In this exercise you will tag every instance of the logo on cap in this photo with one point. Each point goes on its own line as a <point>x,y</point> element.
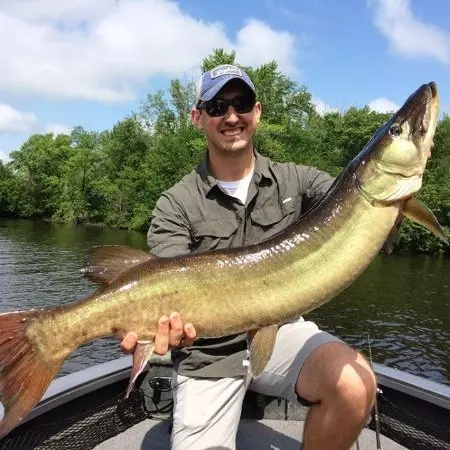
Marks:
<point>225,70</point>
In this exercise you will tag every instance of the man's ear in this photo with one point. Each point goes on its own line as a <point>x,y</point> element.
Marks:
<point>195,118</point>
<point>257,111</point>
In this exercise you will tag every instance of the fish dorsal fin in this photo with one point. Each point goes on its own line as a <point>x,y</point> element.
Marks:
<point>103,264</point>
<point>261,343</point>
<point>416,211</point>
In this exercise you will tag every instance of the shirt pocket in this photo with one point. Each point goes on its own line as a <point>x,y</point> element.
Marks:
<point>270,220</point>
<point>213,234</point>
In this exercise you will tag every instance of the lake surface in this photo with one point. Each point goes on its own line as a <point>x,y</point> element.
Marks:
<point>401,303</point>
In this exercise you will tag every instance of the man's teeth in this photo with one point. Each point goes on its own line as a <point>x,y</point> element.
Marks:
<point>232,132</point>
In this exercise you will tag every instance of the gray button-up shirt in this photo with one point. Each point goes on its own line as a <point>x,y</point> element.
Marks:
<point>196,215</point>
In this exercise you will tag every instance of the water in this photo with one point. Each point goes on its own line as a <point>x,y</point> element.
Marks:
<point>40,266</point>
<point>401,302</point>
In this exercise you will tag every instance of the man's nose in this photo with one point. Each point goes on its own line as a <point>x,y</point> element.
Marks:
<point>231,116</point>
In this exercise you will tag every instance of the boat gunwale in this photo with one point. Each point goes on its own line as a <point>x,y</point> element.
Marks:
<point>69,387</point>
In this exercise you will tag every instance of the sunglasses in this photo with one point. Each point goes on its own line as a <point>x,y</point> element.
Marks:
<point>217,107</point>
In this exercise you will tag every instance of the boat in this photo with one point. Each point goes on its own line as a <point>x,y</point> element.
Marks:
<point>88,410</point>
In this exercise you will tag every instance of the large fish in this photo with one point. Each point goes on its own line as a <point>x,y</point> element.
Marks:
<point>237,290</point>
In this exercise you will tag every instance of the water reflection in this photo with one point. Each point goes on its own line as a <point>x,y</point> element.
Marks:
<point>402,303</point>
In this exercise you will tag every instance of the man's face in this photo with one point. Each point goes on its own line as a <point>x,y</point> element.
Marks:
<point>232,132</point>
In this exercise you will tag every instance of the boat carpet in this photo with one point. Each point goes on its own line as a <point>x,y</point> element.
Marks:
<point>252,434</point>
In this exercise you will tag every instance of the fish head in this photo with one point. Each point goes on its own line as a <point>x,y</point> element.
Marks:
<point>391,166</point>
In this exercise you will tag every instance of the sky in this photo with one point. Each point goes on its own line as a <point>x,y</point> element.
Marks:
<point>93,62</point>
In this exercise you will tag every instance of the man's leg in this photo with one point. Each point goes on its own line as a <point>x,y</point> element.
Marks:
<point>341,386</point>
<point>206,412</point>
<point>319,368</point>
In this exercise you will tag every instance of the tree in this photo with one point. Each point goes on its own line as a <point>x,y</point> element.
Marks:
<point>79,201</point>
<point>9,191</point>
<point>39,165</point>
<point>116,176</point>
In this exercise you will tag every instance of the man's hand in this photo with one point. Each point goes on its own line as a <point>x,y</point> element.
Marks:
<point>170,333</point>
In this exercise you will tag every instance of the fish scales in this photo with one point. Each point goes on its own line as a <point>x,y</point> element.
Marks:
<point>258,286</point>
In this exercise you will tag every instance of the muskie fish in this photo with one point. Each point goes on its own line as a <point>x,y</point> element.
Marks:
<point>260,285</point>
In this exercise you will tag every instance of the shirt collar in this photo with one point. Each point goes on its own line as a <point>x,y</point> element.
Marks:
<point>262,171</point>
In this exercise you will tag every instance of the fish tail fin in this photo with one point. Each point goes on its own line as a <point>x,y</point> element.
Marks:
<point>24,372</point>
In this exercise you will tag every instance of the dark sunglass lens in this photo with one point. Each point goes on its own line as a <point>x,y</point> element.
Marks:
<point>243,104</point>
<point>216,107</point>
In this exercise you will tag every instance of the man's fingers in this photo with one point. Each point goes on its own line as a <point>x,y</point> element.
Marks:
<point>171,334</point>
<point>162,336</point>
<point>128,343</point>
<point>189,335</point>
<point>176,330</point>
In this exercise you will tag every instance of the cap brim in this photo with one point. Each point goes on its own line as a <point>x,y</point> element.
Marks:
<point>208,95</point>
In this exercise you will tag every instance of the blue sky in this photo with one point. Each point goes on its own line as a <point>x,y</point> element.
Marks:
<point>90,63</point>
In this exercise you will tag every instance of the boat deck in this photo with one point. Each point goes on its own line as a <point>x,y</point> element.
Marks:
<point>85,409</point>
<point>252,434</point>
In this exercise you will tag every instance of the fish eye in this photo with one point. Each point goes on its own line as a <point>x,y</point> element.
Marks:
<point>395,130</point>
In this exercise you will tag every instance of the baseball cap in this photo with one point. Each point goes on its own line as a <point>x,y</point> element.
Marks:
<point>215,79</point>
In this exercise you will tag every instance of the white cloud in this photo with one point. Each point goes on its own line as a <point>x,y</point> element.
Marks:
<point>321,107</point>
<point>16,121</point>
<point>103,49</point>
<point>57,128</point>
<point>4,156</point>
<point>257,43</point>
<point>407,35</point>
<point>383,105</point>
<point>13,120</point>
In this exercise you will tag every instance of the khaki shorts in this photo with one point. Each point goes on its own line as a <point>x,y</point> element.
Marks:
<point>207,410</point>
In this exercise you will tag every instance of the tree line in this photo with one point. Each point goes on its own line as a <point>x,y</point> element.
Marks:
<point>115,176</point>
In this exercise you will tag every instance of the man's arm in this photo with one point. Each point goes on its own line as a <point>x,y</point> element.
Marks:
<point>313,185</point>
<point>169,232</point>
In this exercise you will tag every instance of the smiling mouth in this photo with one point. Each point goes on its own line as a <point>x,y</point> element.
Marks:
<point>233,131</point>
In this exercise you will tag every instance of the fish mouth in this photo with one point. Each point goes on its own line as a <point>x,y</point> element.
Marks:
<point>433,87</point>
<point>432,95</point>
<point>421,111</point>
<point>427,127</point>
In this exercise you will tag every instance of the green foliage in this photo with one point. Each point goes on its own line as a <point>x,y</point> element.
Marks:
<point>342,135</point>
<point>38,167</point>
<point>116,176</point>
<point>79,200</point>
<point>416,238</point>
<point>9,191</point>
<point>216,58</point>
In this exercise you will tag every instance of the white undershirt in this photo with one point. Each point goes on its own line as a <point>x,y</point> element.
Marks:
<point>238,188</point>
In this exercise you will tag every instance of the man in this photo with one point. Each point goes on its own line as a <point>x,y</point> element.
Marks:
<point>238,197</point>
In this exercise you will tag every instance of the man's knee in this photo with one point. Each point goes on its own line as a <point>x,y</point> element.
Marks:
<point>357,385</point>
<point>335,372</point>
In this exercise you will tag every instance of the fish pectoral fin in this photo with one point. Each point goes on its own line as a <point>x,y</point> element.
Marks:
<point>261,343</point>
<point>105,263</point>
<point>416,211</point>
<point>141,355</point>
<point>392,240</point>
